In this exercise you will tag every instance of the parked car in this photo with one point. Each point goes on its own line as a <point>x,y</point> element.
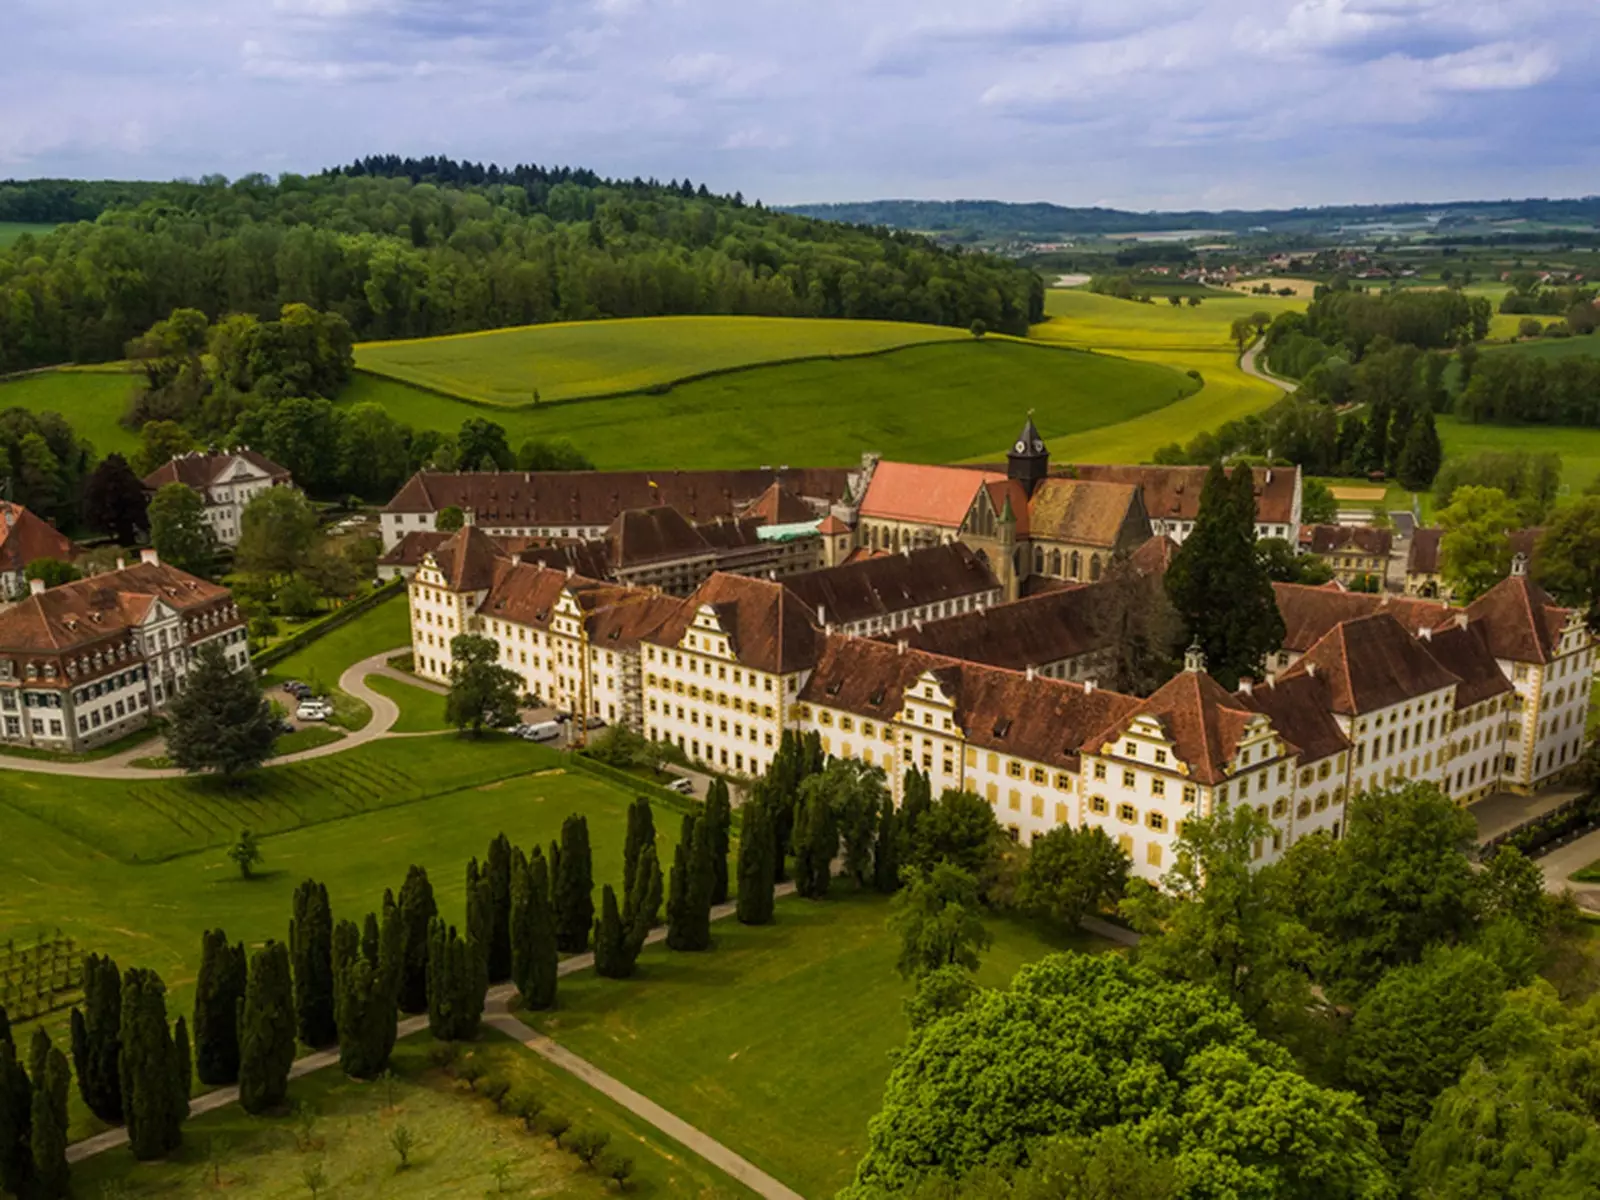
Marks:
<point>542,731</point>
<point>300,691</point>
<point>684,787</point>
<point>595,723</point>
<point>313,710</point>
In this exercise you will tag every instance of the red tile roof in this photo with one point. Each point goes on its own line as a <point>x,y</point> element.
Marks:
<point>1423,557</point>
<point>779,506</point>
<point>200,471</point>
<point>1309,613</point>
<point>929,495</point>
<point>831,525</point>
<point>661,534</point>
<point>1521,623</point>
<point>876,587</point>
<point>1371,663</point>
<point>1463,650</point>
<point>1346,539</point>
<point>1173,493</point>
<point>468,559</point>
<point>770,629</point>
<point>1085,512</point>
<point>25,537</point>
<point>1298,710</point>
<point>1203,722</point>
<point>112,603</point>
<point>1032,632</point>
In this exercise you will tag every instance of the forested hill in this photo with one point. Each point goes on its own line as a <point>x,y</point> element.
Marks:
<point>407,248</point>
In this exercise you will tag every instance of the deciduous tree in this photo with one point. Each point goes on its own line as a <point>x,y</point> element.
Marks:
<point>1072,873</point>
<point>1568,556</point>
<point>114,501</point>
<point>481,690</point>
<point>1475,551</point>
<point>178,529</point>
<point>277,532</point>
<point>936,916</point>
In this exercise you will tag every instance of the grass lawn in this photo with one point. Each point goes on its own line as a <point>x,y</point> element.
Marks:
<point>420,709</point>
<point>593,358</point>
<point>458,1137</point>
<point>93,401</point>
<point>386,627</point>
<point>777,1042</point>
<point>1184,338</point>
<point>308,738</point>
<point>10,231</point>
<point>1589,874</point>
<point>1579,448</point>
<point>940,403</point>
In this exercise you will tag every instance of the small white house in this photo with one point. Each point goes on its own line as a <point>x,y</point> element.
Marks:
<point>226,481</point>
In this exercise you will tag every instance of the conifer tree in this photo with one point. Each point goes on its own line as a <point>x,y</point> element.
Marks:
<point>219,721</point>
<point>641,833</point>
<point>155,1087</point>
<point>311,953</point>
<point>96,1038</point>
<point>886,852</point>
<point>417,911</point>
<point>916,799</point>
<point>224,970</point>
<point>756,863</point>
<point>781,787</point>
<point>183,1067</point>
<point>16,1115</point>
<point>365,995</point>
<point>611,957</point>
<point>480,912</point>
<point>497,867</point>
<point>370,930</point>
<point>457,984</point>
<point>533,932</point>
<point>266,1031</point>
<point>1421,455</point>
<point>816,843</point>
<point>689,904</point>
<point>642,909</point>
<point>573,893</point>
<point>718,817</point>
<point>48,1136</point>
<point>678,887</point>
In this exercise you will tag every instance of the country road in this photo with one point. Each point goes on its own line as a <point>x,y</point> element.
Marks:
<point>1247,364</point>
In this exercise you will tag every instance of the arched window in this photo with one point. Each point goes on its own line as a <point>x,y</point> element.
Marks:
<point>1038,560</point>
<point>1055,563</point>
<point>1077,565</point>
<point>1094,567</point>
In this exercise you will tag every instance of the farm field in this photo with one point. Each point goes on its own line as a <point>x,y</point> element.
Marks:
<point>939,403</point>
<point>458,1137</point>
<point>777,1042</point>
<point>1183,338</point>
<point>1579,448</point>
<point>601,358</point>
<point>93,401</point>
<point>10,231</point>
<point>420,710</point>
<point>1554,348</point>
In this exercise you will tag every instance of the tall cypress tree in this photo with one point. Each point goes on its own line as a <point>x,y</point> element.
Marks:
<point>886,852</point>
<point>916,799</point>
<point>1421,456</point>
<point>457,984</point>
<point>533,932</point>
<point>756,867</point>
<point>311,953</point>
<point>224,970</point>
<point>719,820</point>
<point>498,869</point>
<point>16,1115</point>
<point>155,1095</point>
<point>678,887</point>
<point>480,915</point>
<point>641,833</point>
<point>781,788</point>
<point>689,902</point>
<point>611,957</point>
<point>642,908</point>
<point>816,844</point>
<point>51,1176</point>
<point>1219,585</point>
<point>574,887</point>
<point>417,911</point>
<point>266,1031</point>
<point>97,1039</point>
<point>365,995</point>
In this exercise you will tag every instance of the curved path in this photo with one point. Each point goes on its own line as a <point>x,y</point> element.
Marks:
<point>1248,364</point>
<point>385,712</point>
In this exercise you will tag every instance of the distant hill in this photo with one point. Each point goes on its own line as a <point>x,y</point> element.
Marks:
<point>994,220</point>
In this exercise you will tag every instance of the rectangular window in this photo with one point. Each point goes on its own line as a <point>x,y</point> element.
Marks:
<point>1158,787</point>
<point>1125,812</point>
<point>1099,770</point>
<point>1129,779</point>
<point>1097,804</point>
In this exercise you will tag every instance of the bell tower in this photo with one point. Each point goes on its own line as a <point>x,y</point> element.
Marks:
<point>1028,461</point>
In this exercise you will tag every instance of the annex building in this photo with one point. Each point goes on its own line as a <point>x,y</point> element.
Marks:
<point>226,482</point>
<point>25,537</point>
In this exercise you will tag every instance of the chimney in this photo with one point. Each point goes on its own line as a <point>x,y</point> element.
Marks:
<point>36,587</point>
<point>571,571</point>
<point>822,611</point>
<point>1425,633</point>
<point>1088,687</point>
<point>1311,669</point>
<point>150,556</point>
<point>1519,565</point>
<point>469,516</point>
<point>122,563</point>
<point>900,646</point>
<point>1031,673</point>
<point>916,623</point>
<point>1246,684</point>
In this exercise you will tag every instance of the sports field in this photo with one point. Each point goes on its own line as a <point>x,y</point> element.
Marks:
<point>601,358</point>
<point>93,401</point>
<point>939,403</point>
<point>778,1041</point>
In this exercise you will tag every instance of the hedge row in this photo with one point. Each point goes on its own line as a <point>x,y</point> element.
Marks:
<point>343,616</point>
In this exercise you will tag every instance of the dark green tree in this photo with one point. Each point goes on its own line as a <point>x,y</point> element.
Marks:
<point>266,1030</point>
<point>96,1038</point>
<point>718,816</point>
<point>219,721</point>
<point>311,953</point>
<point>16,1115</point>
<point>573,890</point>
<point>916,799</point>
<point>457,984</point>
<point>497,868</point>
<point>482,692</point>
<point>1072,873</point>
<point>611,957</point>
<point>533,931</point>
<point>689,891</point>
<point>417,911</point>
<point>641,833</point>
<point>52,1178</point>
<point>277,533</point>
<point>957,828</point>
<point>179,530</point>
<point>219,990</point>
<point>816,839</point>
<point>1421,455</point>
<point>758,855</point>
<point>1219,585</point>
<point>365,996</point>
<point>154,1072</point>
<point>886,851</point>
<point>936,916</point>
<point>641,910</point>
<point>114,501</point>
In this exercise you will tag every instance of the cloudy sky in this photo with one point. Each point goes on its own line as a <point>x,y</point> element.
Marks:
<point>1132,103</point>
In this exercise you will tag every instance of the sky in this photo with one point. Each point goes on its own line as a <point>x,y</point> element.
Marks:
<point>1140,104</point>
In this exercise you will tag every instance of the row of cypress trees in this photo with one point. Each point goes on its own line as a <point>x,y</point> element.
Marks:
<point>33,1117</point>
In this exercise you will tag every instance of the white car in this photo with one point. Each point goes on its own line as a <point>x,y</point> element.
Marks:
<point>313,710</point>
<point>684,787</point>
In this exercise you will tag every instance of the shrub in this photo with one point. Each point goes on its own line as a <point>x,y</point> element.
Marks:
<point>443,1055</point>
<point>494,1089</point>
<point>588,1144</point>
<point>470,1070</point>
<point>525,1103</point>
<point>556,1125</point>
<point>616,1166</point>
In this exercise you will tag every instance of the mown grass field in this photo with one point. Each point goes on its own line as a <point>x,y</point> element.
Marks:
<point>940,403</point>
<point>458,1137</point>
<point>10,231</point>
<point>93,401</point>
<point>594,358</point>
<point>420,710</point>
<point>1554,348</point>
<point>1183,338</point>
<point>1579,448</point>
<point>777,1041</point>
<point>386,627</point>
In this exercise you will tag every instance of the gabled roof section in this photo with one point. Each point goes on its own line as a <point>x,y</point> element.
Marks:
<point>589,558</point>
<point>1298,710</point>
<point>1204,723</point>
<point>410,550</point>
<point>526,594</point>
<point>1346,539</point>
<point>25,537</point>
<point>1032,632</point>
<point>646,535</point>
<point>866,677</point>
<point>88,610</point>
<point>1521,623</point>
<point>877,587</point>
<point>832,526</point>
<point>629,621</point>
<point>1082,512</point>
<point>1153,556</point>
<point>467,559</point>
<point>1462,650</point>
<point>1423,557</point>
<point>771,630</point>
<point>1371,663</point>
<point>200,471</point>
<point>1009,498</point>
<point>1173,493</point>
<point>1310,613</point>
<point>926,495</point>
<point>779,506</point>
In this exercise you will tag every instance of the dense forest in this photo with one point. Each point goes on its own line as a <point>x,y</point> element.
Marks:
<point>1345,323</point>
<point>405,248</point>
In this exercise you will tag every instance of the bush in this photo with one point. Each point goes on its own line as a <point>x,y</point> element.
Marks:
<point>494,1089</point>
<point>616,1166</point>
<point>525,1103</point>
<point>556,1125</point>
<point>588,1144</point>
<point>443,1055</point>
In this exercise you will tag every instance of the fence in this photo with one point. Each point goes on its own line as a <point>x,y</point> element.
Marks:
<point>39,978</point>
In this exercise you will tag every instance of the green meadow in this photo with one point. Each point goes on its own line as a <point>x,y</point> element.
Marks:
<point>94,401</point>
<point>1554,348</point>
<point>10,231</point>
<point>1579,448</point>
<point>591,358</point>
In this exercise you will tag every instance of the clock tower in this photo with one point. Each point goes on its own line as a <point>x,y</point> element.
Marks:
<point>1028,460</point>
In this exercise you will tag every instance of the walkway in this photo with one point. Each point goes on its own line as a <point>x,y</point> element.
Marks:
<point>385,712</point>
<point>1247,364</point>
<point>1504,811</point>
<point>1561,862</point>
